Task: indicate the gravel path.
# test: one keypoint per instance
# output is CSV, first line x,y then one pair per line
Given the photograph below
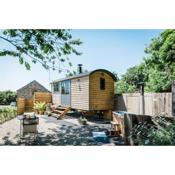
x,y
53,132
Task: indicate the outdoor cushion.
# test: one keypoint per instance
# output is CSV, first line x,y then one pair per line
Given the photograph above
x,y
99,134
100,137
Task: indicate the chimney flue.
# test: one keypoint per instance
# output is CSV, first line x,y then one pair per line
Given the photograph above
x,y
80,70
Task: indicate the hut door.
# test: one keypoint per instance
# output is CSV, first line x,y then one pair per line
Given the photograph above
x,y
65,93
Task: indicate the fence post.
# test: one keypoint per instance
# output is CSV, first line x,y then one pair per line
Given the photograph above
x,y
173,98
142,100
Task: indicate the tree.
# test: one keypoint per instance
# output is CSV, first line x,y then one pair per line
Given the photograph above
x,y
160,62
157,70
47,47
6,97
161,50
130,80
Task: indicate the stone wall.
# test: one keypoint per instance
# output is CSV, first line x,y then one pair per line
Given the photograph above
x,y
27,91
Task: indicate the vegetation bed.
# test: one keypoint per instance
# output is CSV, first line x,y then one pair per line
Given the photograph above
x,y
7,113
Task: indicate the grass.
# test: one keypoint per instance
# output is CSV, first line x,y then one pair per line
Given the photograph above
x,y
7,113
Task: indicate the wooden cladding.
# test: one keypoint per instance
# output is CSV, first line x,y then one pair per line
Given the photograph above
x,y
20,106
101,89
43,96
80,93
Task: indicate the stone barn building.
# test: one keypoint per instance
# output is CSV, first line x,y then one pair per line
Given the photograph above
x,y
28,90
29,94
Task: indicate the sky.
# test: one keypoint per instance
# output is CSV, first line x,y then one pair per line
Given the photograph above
x,y
114,50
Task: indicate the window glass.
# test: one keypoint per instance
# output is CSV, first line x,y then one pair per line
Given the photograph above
x,y
102,84
65,87
56,87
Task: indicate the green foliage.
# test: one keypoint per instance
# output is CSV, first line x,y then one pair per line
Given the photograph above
x,y
123,87
129,81
6,97
7,113
47,47
158,69
83,120
160,62
161,132
40,106
162,50
159,81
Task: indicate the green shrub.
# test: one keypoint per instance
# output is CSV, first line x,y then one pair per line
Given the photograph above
x,y
7,113
161,132
83,120
6,97
40,106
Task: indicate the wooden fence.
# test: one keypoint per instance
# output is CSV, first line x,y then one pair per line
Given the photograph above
x,y
43,96
153,103
20,105
26,105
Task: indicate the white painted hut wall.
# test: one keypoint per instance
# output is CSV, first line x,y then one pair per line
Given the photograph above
x,y
80,93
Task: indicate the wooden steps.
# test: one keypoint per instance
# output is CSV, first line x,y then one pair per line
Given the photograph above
x,y
59,111
60,108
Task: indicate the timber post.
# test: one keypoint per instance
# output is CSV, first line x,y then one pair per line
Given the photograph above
x,y
173,98
142,99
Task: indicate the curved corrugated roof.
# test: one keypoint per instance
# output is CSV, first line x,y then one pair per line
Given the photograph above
x,y
87,74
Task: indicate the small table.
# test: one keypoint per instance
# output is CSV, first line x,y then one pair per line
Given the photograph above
x,y
28,125
114,125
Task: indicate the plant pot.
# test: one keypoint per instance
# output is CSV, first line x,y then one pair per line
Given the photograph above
x,y
36,111
84,122
41,112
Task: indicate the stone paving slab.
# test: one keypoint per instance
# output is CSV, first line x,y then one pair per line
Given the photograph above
x,y
53,132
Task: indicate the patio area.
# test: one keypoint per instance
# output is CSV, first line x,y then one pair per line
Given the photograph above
x,y
65,132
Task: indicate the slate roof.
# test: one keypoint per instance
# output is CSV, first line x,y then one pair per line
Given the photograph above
x,y
34,81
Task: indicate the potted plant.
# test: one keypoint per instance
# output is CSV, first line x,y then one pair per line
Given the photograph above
x,y
39,107
83,120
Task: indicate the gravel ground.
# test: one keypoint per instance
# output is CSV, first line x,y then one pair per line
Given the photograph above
x,y
67,131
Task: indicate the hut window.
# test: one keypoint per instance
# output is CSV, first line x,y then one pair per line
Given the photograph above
x,y
56,87
102,84
65,87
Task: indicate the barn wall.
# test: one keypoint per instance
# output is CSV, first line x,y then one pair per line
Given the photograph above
x,y
80,93
27,91
101,99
